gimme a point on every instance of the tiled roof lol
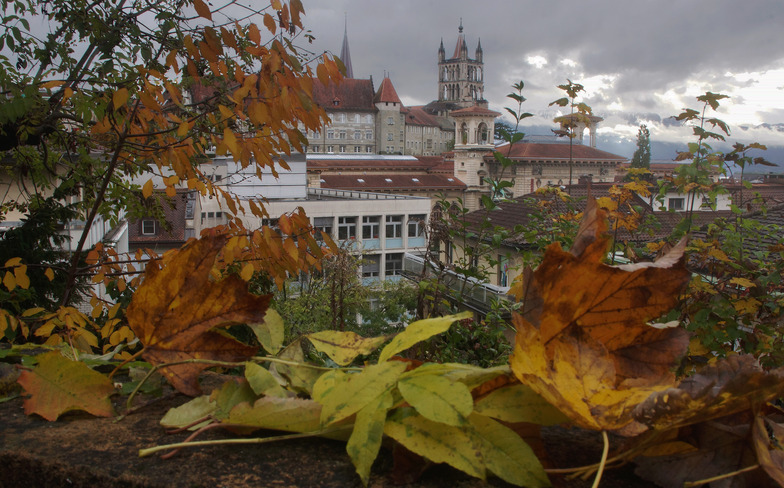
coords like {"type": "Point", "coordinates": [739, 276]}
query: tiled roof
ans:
{"type": "Point", "coordinates": [395, 163]}
{"type": "Point", "coordinates": [475, 110]}
{"type": "Point", "coordinates": [418, 116]}
{"type": "Point", "coordinates": [349, 94]}
{"type": "Point", "coordinates": [392, 182]}
{"type": "Point", "coordinates": [386, 93]}
{"type": "Point", "coordinates": [174, 211]}
{"type": "Point", "coordinates": [540, 151]}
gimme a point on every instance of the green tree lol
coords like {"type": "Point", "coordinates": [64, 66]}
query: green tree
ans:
{"type": "Point", "coordinates": [642, 155]}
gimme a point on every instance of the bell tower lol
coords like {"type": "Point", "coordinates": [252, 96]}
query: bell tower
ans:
{"type": "Point", "coordinates": [460, 78]}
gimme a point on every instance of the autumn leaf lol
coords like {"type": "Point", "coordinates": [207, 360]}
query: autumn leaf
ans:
{"type": "Point", "coordinates": [343, 347]}
{"type": "Point", "coordinates": [365, 440]}
{"type": "Point", "coordinates": [583, 342]}
{"type": "Point", "coordinates": [419, 331]}
{"type": "Point", "coordinates": [731, 385]}
{"type": "Point", "coordinates": [175, 310]}
{"type": "Point", "coordinates": [286, 414]}
{"type": "Point", "coordinates": [58, 385]}
{"type": "Point", "coordinates": [770, 454]}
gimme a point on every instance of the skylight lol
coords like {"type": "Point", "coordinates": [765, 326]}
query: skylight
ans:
{"type": "Point", "coordinates": [360, 180]}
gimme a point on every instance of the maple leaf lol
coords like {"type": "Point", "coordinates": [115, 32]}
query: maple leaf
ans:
{"type": "Point", "coordinates": [583, 342]}
{"type": "Point", "coordinates": [175, 310]}
{"type": "Point", "coordinates": [58, 385]}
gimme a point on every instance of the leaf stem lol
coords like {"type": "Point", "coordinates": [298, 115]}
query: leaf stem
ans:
{"type": "Point", "coordinates": [692, 484]}
{"type": "Point", "coordinates": [255, 440]}
{"type": "Point", "coordinates": [603, 462]}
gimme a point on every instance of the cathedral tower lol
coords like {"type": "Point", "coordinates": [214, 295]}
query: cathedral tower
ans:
{"type": "Point", "coordinates": [460, 78]}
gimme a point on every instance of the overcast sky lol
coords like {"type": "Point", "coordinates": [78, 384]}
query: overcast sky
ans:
{"type": "Point", "coordinates": [641, 61]}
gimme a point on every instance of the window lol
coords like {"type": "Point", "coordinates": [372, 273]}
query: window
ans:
{"type": "Point", "coordinates": [342, 149]}
{"type": "Point", "coordinates": [389, 136]}
{"type": "Point", "coordinates": [330, 134]}
{"type": "Point", "coordinates": [315, 149]}
{"type": "Point", "coordinates": [342, 134]}
{"type": "Point", "coordinates": [355, 118]}
{"type": "Point", "coordinates": [394, 226]}
{"type": "Point", "coordinates": [330, 149]}
{"type": "Point", "coordinates": [390, 121]}
{"type": "Point", "coordinates": [416, 225]}
{"type": "Point", "coordinates": [357, 135]}
{"type": "Point", "coordinates": [369, 134]}
{"type": "Point", "coordinates": [676, 204]}
{"type": "Point", "coordinates": [357, 149]}
{"type": "Point", "coordinates": [371, 265]}
{"type": "Point", "coordinates": [536, 170]}
{"type": "Point", "coordinates": [347, 228]}
{"type": "Point", "coordinates": [371, 226]}
{"type": "Point", "coordinates": [323, 225]}
{"type": "Point", "coordinates": [369, 149]}
{"type": "Point", "coordinates": [393, 264]}
{"type": "Point", "coordinates": [369, 118]}
{"type": "Point", "coordinates": [148, 227]}
{"type": "Point", "coordinates": [341, 117]}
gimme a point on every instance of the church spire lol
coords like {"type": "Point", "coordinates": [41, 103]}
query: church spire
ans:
{"type": "Point", "coordinates": [345, 54]}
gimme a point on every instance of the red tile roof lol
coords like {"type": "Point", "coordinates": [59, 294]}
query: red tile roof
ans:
{"type": "Point", "coordinates": [410, 163]}
{"type": "Point", "coordinates": [418, 116]}
{"type": "Point", "coordinates": [349, 94]}
{"type": "Point", "coordinates": [560, 151]}
{"type": "Point", "coordinates": [386, 93]}
{"type": "Point", "coordinates": [392, 182]}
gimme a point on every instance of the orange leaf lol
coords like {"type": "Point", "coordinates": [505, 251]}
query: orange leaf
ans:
{"type": "Point", "coordinates": [58, 385]}
{"type": "Point", "coordinates": [583, 342]}
{"type": "Point", "coordinates": [270, 23]}
{"type": "Point", "coordinates": [202, 9]}
{"type": "Point", "coordinates": [174, 312]}
{"type": "Point", "coordinates": [147, 189]}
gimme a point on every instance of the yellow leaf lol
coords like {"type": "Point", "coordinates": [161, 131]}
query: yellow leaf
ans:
{"type": "Point", "coordinates": [344, 347]}
{"type": "Point", "coordinates": [358, 390]}
{"type": "Point", "coordinates": [437, 398]}
{"type": "Point", "coordinates": [506, 454]}
{"type": "Point", "coordinates": [270, 333]}
{"type": "Point", "coordinates": [52, 84]}
{"type": "Point", "coordinates": [231, 141]}
{"type": "Point", "coordinates": [437, 442]}
{"type": "Point", "coordinates": [9, 281]}
{"type": "Point", "coordinates": [22, 280]}
{"type": "Point", "coordinates": [119, 98]}
{"type": "Point", "coordinates": [365, 440]}
{"type": "Point", "coordinates": [300, 378]}
{"type": "Point", "coordinates": [263, 382]}
{"type": "Point", "coordinates": [247, 272]}
{"type": "Point", "coordinates": [746, 283]}
{"type": "Point", "coordinates": [286, 414]}
{"type": "Point", "coordinates": [13, 262]}
{"type": "Point", "coordinates": [49, 274]}
{"type": "Point", "coordinates": [518, 403]}
{"type": "Point", "coordinates": [147, 189]}
{"type": "Point", "coordinates": [202, 9]}
{"type": "Point", "coordinates": [419, 331]}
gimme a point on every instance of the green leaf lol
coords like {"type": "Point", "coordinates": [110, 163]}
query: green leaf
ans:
{"type": "Point", "coordinates": [344, 347]}
{"type": "Point", "coordinates": [262, 381]}
{"type": "Point", "coordinates": [506, 454]}
{"type": "Point", "coordinates": [58, 385]}
{"type": "Point", "coordinates": [437, 398]}
{"type": "Point", "coordinates": [435, 441]}
{"type": "Point", "coordinates": [286, 414]}
{"type": "Point", "coordinates": [519, 403]}
{"type": "Point", "coordinates": [365, 440]}
{"type": "Point", "coordinates": [419, 331]}
{"type": "Point", "coordinates": [190, 412]}
{"type": "Point", "coordinates": [353, 392]}
{"type": "Point", "coordinates": [271, 332]}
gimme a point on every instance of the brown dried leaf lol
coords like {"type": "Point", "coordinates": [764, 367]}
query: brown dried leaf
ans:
{"type": "Point", "coordinates": [732, 385]}
{"type": "Point", "coordinates": [583, 342]}
{"type": "Point", "coordinates": [174, 312]}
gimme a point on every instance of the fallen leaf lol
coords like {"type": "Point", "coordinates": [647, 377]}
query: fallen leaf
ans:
{"type": "Point", "coordinates": [262, 381]}
{"type": "Point", "coordinates": [365, 440]}
{"type": "Point", "coordinates": [419, 331]}
{"type": "Point", "coordinates": [731, 385]}
{"type": "Point", "coordinates": [286, 414]}
{"type": "Point", "coordinates": [768, 448]}
{"type": "Point", "coordinates": [270, 332]}
{"type": "Point", "coordinates": [58, 385]}
{"type": "Point", "coordinates": [437, 398]}
{"type": "Point", "coordinates": [300, 378]}
{"type": "Point", "coordinates": [518, 403]}
{"type": "Point", "coordinates": [583, 342]}
{"type": "Point", "coordinates": [175, 310]}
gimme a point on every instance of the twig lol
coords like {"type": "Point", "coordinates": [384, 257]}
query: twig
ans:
{"type": "Point", "coordinates": [255, 440]}
{"type": "Point", "coordinates": [692, 484]}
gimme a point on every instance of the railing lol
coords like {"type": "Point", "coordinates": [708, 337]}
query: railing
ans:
{"type": "Point", "coordinates": [474, 294]}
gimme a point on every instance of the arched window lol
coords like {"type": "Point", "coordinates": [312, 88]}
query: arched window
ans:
{"type": "Point", "coordinates": [464, 133]}
{"type": "Point", "coordinates": [483, 133]}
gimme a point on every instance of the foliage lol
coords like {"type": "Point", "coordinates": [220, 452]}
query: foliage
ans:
{"type": "Point", "coordinates": [642, 155]}
{"type": "Point", "coordinates": [579, 114]}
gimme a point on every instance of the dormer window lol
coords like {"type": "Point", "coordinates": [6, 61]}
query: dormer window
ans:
{"type": "Point", "coordinates": [148, 227]}
{"type": "Point", "coordinates": [336, 102]}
